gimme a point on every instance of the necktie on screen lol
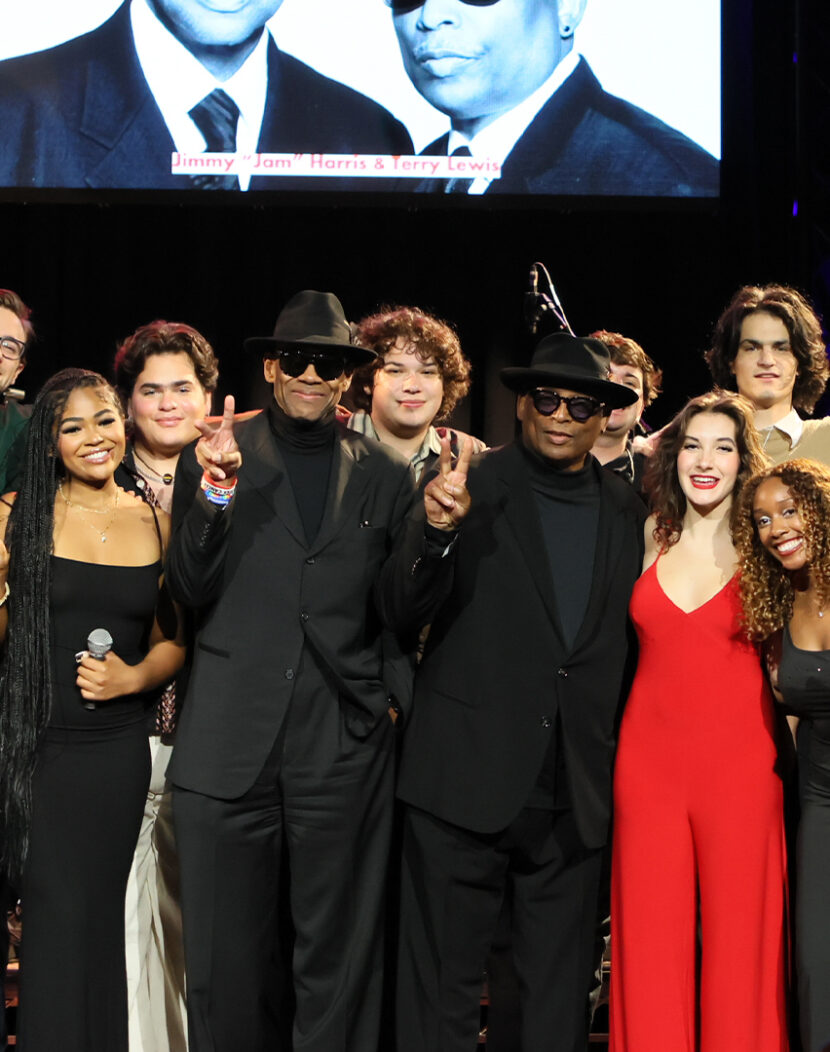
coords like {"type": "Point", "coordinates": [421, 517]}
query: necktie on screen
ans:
{"type": "Point", "coordinates": [458, 185]}
{"type": "Point", "coordinates": [216, 117]}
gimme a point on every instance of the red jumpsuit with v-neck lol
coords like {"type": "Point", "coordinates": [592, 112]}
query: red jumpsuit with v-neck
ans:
{"type": "Point", "coordinates": [698, 820]}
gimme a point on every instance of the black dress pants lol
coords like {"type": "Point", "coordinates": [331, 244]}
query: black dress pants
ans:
{"type": "Point", "coordinates": [812, 907]}
{"type": "Point", "coordinates": [325, 799]}
{"type": "Point", "coordinates": [453, 885]}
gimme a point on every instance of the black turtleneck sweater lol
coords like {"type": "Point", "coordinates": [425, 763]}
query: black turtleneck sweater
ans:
{"type": "Point", "coordinates": [568, 503]}
{"type": "Point", "coordinates": [306, 447]}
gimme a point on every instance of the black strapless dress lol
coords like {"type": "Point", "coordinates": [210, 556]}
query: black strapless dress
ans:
{"type": "Point", "coordinates": [804, 681]}
{"type": "Point", "coordinates": [90, 783]}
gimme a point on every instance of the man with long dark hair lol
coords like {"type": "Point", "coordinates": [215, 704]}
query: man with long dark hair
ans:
{"type": "Point", "coordinates": [768, 346]}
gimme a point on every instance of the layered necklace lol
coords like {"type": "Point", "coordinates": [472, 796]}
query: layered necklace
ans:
{"type": "Point", "coordinates": [82, 509]}
{"type": "Point", "coordinates": [166, 478]}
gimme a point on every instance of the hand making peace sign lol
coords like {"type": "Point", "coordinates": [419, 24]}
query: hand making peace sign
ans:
{"type": "Point", "coordinates": [217, 451]}
{"type": "Point", "coordinates": [446, 498]}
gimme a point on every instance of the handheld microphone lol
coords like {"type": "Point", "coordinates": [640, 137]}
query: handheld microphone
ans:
{"type": "Point", "coordinates": [98, 645]}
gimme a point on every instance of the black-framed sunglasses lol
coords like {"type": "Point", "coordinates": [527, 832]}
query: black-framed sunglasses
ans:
{"type": "Point", "coordinates": [12, 348]}
{"type": "Point", "coordinates": [327, 364]}
{"type": "Point", "coordinates": [410, 5]}
{"type": "Point", "coordinates": [580, 407]}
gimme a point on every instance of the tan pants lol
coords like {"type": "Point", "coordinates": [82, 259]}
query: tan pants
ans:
{"type": "Point", "coordinates": [155, 957]}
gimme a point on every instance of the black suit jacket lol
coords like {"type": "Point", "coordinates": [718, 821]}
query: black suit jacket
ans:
{"type": "Point", "coordinates": [82, 114]}
{"type": "Point", "coordinates": [496, 678]}
{"type": "Point", "coordinates": [261, 595]}
{"type": "Point", "coordinates": [585, 141]}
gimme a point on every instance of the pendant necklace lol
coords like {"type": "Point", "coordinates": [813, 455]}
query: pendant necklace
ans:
{"type": "Point", "coordinates": [95, 511]}
{"type": "Point", "coordinates": [166, 478]}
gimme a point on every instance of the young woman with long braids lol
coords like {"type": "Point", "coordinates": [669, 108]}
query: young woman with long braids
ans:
{"type": "Point", "coordinates": [698, 806]}
{"type": "Point", "coordinates": [80, 553]}
{"type": "Point", "coordinates": [783, 540]}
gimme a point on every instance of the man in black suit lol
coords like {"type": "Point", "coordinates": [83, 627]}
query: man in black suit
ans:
{"type": "Point", "coordinates": [284, 750]}
{"type": "Point", "coordinates": [506, 767]}
{"type": "Point", "coordinates": [16, 334]}
{"type": "Point", "coordinates": [519, 96]}
{"type": "Point", "coordinates": [109, 108]}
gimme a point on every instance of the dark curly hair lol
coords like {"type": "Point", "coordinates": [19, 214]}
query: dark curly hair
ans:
{"type": "Point", "coordinates": [163, 337]}
{"type": "Point", "coordinates": [662, 486]}
{"type": "Point", "coordinates": [766, 587]}
{"type": "Point", "coordinates": [625, 351]}
{"type": "Point", "coordinates": [802, 324]}
{"type": "Point", "coordinates": [11, 301]}
{"type": "Point", "coordinates": [430, 337]}
{"type": "Point", "coordinates": [26, 684]}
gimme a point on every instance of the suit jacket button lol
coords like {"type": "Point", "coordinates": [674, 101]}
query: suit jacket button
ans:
{"type": "Point", "coordinates": [289, 673]}
{"type": "Point", "coordinates": [546, 722]}
{"type": "Point", "coordinates": [310, 560]}
{"type": "Point", "coordinates": [563, 672]}
{"type": "Point", "coordinates": [304, 616]}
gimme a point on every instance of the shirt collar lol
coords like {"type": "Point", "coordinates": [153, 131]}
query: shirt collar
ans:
{"type": "Point", "coordinates": [791, 425]}
{"type": "Point", "coordinates": [178, 80]}
{"type": "Point", "coordinates": [497, 139]}
{"type": "Point", "coordinates": [361, 422]}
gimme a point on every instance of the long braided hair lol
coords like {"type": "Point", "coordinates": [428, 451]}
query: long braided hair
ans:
{"type": "Point", "coordinates": [26, 680]}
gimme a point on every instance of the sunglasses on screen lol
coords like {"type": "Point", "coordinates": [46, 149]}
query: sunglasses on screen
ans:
{"type": "Point", "coordinates": [580, 407]}
{"type": "Point", "coordinates": [327, 366]}
{"type": "Point", "coordinates": [411, 5]}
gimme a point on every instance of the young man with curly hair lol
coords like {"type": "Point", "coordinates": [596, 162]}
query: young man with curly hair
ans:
{"type": "Point", "coordinates": [419, 376]}
{"type": "Point", "coordinates": [768, 346]}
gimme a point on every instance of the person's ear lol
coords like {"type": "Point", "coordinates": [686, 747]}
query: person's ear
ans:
{"type": "Point", "coordinates": [570, 15]}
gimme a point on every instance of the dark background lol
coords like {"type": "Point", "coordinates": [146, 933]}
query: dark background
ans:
{"type": "Point", "coordinates": [93, 269]}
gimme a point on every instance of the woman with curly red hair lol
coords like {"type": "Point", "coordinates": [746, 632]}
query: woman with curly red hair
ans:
{"type": "Point", "coordinates": [698, 827]}
{"type": "Point", "coordinates": [783, 540]}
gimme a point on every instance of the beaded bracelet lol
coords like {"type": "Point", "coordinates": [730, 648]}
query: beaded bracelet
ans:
{"type": "Point", "coordinates": [218, 493]}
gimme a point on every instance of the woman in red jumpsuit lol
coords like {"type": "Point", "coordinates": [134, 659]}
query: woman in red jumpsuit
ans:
{"type": "Point", "coordinates": [699, 832]}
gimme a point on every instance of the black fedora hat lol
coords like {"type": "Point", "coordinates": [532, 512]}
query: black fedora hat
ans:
{"type": "Point", "coordinates": [311, 321]}
{"type": "Point", "coordinates": [577, 363]}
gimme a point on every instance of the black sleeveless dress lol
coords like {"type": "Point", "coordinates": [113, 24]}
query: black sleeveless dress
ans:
{"type": "Point", "coordinates": [804, 681]}
{"type": "Point", "coordinates": [89, 787]}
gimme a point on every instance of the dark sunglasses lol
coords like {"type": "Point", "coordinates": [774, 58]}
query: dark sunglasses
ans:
{"type": "Point", "coordinates": [410, 5]}
{"type": "Point", "coordinates": [328, 366]}
{"type": "Point", "coordinates": [580, 407]}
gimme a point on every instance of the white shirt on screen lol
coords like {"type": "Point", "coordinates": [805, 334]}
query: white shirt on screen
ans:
{"type": "Point", "coordinates": [178, 81]}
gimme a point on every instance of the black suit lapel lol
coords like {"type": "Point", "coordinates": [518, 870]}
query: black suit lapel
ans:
{"type": "Point", "coordinates": [547, 136]}
{"type": "Point", "coordinates": [437, 148]}
{"type": "Point", "coordinates": [121, 115]}
{"type": "Point", "coordinates": [346, 483]}
{"type": "Point", "coordinates": [611, 534]}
